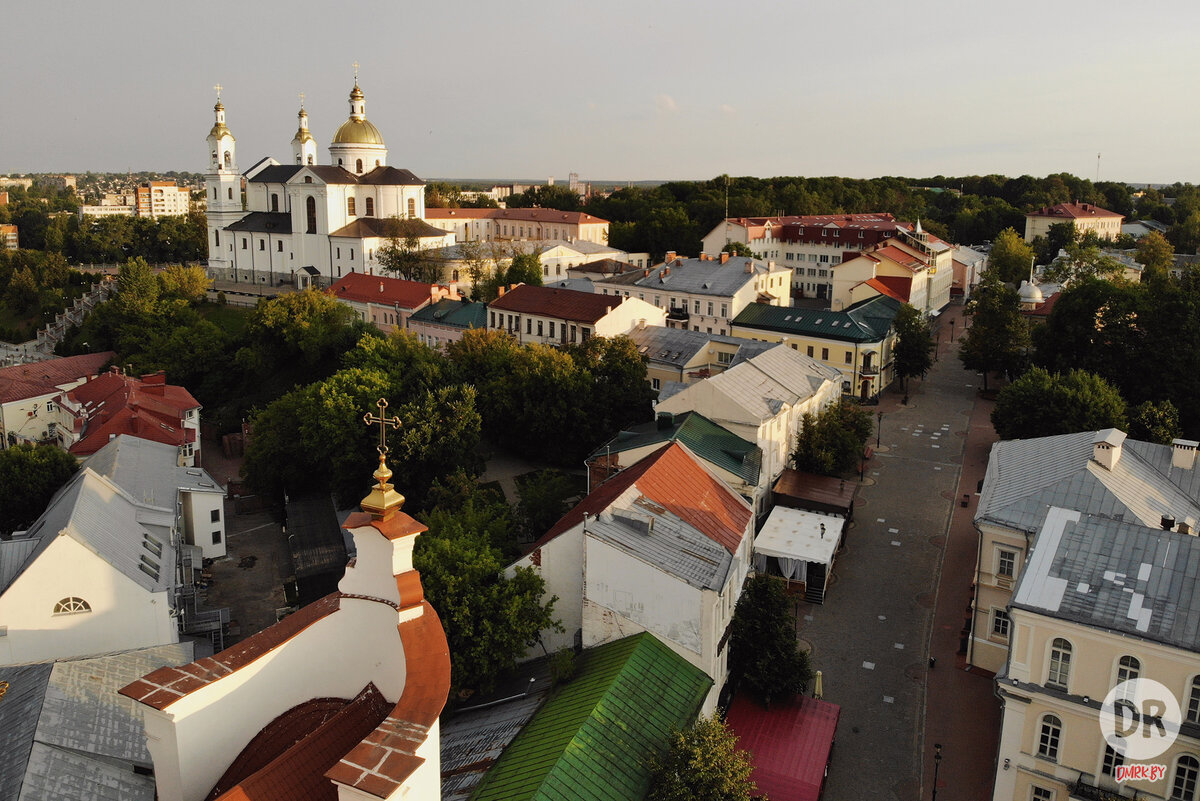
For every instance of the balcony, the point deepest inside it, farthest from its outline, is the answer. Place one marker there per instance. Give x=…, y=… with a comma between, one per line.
x=869, y=369
x=1084, y=790
x=678, y=314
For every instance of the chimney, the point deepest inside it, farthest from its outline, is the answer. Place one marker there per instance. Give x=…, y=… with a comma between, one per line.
x=749, y=267
x=666, y=271
x=646, y=273
x=1106, y=447
x=724, y=256
x=703, y=256
x=670, y=256
x=500, y=291
x=1168, y=522
x=1183, y=453
x=641, y=324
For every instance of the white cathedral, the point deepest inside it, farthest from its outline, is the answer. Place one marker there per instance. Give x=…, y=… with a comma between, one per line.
x=304, y=223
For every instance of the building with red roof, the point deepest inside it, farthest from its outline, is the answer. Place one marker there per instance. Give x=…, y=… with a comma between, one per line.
x=663, y=546
x=1085, y=217
x=338, y=700
x=387, y=303
x=494, y=225
x=790, y=744
x=28, y=392
x=554, y=316
x=913, y=266
x=113, y=403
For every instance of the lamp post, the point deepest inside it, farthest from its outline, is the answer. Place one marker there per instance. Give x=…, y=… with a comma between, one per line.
x=951, y=332
x=937, y=764
x=878, y=429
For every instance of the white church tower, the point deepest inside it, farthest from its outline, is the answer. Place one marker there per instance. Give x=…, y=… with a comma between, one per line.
x=304, y=147
x=358, y=146
x=223, y=190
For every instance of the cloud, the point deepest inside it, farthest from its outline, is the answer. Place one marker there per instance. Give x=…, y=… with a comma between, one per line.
x=666, y=103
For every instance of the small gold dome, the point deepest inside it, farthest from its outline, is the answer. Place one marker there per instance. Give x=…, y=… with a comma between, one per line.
x=356, y=93
x=357, y=132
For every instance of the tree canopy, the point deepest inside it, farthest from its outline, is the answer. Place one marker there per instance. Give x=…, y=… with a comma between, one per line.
x=914, y=345
x=701, y=763
x=763, y=655
x=1041, y=404
x=30, y=475
x=1011, y=258
x=831, y=443
x=998, y=337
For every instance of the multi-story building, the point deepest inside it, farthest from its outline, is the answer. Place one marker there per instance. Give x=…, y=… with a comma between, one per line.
x=161, y=199
x=10, y=237
x=441, y=323
x=387, y=303
x=490, y=225
x=552, y=316
x=913, y=266
x=29, y=392
x=1085, y=216
x=812, y=245
x=705, y=293
x=1101, y=601
x=858, y=342
x=682, y=356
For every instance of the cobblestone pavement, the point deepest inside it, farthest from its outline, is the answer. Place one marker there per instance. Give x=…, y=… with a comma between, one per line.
x=871, y=636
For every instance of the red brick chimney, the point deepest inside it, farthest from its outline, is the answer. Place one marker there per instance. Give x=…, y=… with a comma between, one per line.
x=724, y=256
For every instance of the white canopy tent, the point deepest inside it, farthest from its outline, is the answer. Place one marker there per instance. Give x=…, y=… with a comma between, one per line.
x=796, y=538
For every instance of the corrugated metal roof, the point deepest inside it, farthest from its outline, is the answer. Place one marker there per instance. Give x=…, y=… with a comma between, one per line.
x=718, y=446
x=591, y=739
x=868, y=321
x=789, y=744
x=766, y=380
x=20, y=709
x=674, y=346
x=695, y=276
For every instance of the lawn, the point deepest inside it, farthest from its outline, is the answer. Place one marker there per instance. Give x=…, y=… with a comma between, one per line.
x=230, y=319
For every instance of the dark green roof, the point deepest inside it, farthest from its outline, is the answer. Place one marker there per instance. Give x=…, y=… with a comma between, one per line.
x=702, y=436
x=590, y=740
x=454, y=313
x=866, y=321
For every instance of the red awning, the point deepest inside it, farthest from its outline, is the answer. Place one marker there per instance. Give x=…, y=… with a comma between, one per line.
x=789, y=744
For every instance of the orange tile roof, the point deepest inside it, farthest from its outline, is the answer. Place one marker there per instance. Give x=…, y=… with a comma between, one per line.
x=1074, y=211
x=114, y=403
x=565, y=304
x=892, y=286
x=520, y=215
x=365, y=288
x=674, y=479
x=23, y=381
x=901, y=256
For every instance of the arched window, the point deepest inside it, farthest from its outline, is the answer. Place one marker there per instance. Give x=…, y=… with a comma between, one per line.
x=214, y=193
x=1187, y=774
x=228, y=160
x=358, y=165
x=350, y=206
x=1128, y=668
x=339, y=162
x=310, y=206
x=1060, y=664
x=1049, y=738
x=1193, y=703
x=412, y=208
x=376, y=162
x=310, y=159
x=308, y=179
x=230, y=193
x=274, y=202
x=71, y=606
x=216, y=237
x=370, y=207
x=454, y=275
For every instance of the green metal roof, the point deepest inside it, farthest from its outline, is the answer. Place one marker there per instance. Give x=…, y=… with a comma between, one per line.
x=590, y=741
x=702, y=436
x=866, y=321
x=453, y=313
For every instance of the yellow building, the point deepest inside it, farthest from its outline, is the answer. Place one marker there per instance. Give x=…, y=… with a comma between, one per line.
x=1086, y=216
x=1101, y=601
x=677, y=355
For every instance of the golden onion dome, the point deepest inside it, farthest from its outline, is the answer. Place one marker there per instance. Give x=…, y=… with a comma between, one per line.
x=302, y=135
x=220, y=130
x=356, y=93
x=357, y=132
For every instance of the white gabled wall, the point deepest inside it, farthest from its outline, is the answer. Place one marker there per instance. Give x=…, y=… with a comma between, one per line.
x=562, y=567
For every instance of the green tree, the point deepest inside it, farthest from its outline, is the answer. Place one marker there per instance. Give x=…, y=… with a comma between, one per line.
x=1156, y=255
x=913, y=352
x=526, y=268
x=22, y=292
x=1185, y=237
x=701, y=763
x=309, y=327
x=544, y=497
x=1082, y=261
x=491, y=618
x=998, y=337
x=403, y=254
x=137, y=288
x=30, y=475
x=763, y=654
x=1011, y=258
x=1041, y=404
x=1155, y=422
x=831, y=443
x=189, y=284
x=739, y=249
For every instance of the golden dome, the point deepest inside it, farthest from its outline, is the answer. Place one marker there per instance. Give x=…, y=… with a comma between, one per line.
x=220, y=130
x=357, y=132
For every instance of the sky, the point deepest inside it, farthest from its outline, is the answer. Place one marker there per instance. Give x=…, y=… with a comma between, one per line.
x=616, y=90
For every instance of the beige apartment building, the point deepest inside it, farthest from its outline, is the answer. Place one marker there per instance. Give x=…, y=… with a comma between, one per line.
x=1086, y=216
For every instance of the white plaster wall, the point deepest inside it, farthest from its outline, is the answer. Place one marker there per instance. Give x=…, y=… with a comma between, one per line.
x=198, y=525
x=627, y=315
x=562, y=569
x=18, y=417
x=123, y=616
x=1012, y=726
x=335, y=657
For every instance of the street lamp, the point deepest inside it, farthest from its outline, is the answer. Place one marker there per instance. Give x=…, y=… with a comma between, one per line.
x=878, y=429
x=937, y=764
x=951, y=332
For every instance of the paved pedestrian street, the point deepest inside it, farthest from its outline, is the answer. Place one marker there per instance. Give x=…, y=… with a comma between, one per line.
x=871, y=637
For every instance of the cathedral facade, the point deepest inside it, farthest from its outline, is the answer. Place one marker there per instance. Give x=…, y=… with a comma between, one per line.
x=304, y=223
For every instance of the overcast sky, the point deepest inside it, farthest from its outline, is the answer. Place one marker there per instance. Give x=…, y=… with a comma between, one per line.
x=624, y=90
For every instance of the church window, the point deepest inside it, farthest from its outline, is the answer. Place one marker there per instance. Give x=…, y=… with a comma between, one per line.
x=308, y=179
x=350, y=206
x=231, y=193
x=310, y=206
x=216, y=238
x=262, y=244
x=228, y=160
x=214, y=193
x=351, y=254
x=370, y=207
x=279, y=246
x=454, y=275
x=274, y=202
x=412, y=208
x=376, y=162
x=310, y=159
x=339, y=253
x=243, y=243
x=339, y=162
x=358, y=165
x=71, y=606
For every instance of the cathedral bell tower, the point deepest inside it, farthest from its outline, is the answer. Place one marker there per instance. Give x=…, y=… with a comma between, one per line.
x=357, y=145
x=223, y=193
x=304, y=147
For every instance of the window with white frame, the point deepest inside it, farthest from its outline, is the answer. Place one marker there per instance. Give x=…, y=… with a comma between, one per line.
x=1049, y=738
x=1060, y=664
x=1006, y=563
x=1187, y=773
x=72, y=606
x=1193, y=703
x=1001, y=623
x=1040, y=794
x=1112, y=761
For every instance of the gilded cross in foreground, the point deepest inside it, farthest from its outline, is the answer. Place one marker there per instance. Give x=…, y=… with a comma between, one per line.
x=384, y=422
x=218, y=88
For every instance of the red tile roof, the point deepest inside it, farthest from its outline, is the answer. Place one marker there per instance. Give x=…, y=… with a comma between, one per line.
x=892, y=286
x=23, y=381
x=900, y=256
x=789, y=744
x=519, y=215
x=1074, y=211
x=115, y=403
x=365, y=288
x=564, y=304
x=674, y=479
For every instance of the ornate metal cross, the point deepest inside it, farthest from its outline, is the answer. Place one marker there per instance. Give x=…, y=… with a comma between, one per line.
x=356, y=73
x=302, y=100
x=384, y=421
x=218, y=88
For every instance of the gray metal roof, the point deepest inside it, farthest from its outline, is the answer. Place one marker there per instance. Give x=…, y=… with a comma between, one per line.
x=1115, y=575
x=667, y=543
x=697, y=277
x=66, y=734
x=1025, y=478
x=674, y=346
x=150, y=471
x=777, y=375
x=13, y=554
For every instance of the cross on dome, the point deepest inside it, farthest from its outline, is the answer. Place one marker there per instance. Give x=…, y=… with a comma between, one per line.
x=383, y=501
x=218, y=88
